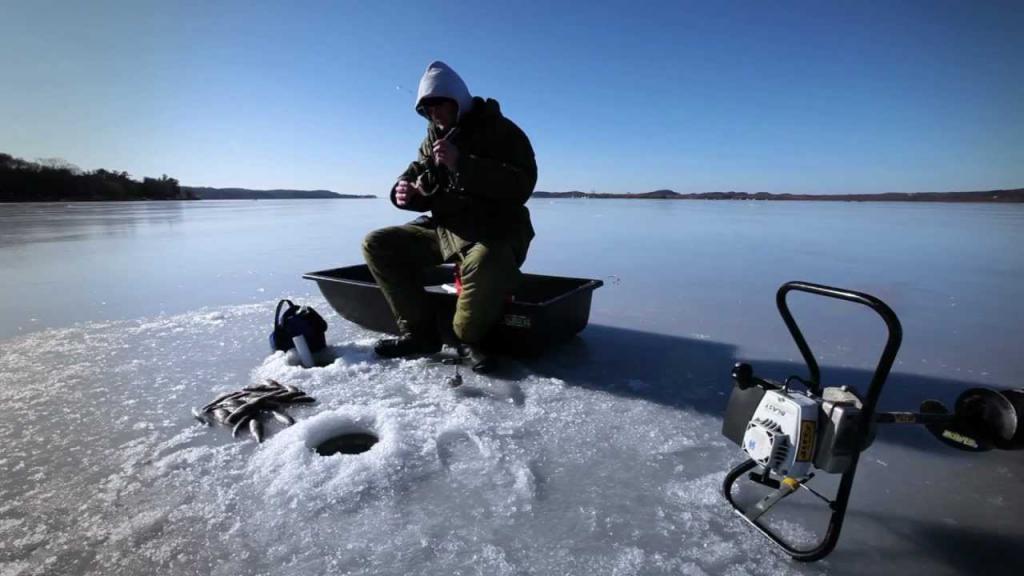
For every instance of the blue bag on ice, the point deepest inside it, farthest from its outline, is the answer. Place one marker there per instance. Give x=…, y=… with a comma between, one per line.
x=298, y=321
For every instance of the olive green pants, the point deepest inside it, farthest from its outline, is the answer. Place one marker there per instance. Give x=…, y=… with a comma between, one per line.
x=397, y=257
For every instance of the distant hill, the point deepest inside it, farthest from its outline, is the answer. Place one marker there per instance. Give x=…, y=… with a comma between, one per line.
x=204, y=193
x=1014, y=195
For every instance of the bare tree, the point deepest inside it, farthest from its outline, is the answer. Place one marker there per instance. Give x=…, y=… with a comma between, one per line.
x=58, y=164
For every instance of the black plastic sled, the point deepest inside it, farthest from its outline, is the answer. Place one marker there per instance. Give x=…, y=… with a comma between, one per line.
x=543, y=310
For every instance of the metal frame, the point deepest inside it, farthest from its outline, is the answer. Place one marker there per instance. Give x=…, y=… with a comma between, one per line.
x=867, y=417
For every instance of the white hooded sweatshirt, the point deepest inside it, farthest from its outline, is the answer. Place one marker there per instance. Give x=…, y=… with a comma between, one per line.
x=440, y=81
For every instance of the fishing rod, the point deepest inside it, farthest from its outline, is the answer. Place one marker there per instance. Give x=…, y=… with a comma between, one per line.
x=432, y=165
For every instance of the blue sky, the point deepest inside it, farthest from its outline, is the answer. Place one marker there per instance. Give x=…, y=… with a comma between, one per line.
x=805, y=97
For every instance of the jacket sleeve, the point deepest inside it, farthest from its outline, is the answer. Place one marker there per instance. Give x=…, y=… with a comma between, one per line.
x=510, y=177
x=416, y=170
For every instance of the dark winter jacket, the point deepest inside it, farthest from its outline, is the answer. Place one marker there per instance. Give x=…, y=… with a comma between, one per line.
x=484, y=200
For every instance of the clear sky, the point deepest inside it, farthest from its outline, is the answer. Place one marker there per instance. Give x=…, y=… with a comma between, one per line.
x=804, y=97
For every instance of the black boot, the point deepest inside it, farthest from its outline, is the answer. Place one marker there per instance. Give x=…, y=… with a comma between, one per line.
x=480, y=362
x=407, y=345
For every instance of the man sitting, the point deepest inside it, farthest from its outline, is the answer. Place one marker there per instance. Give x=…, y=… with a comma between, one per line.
x=474, y=173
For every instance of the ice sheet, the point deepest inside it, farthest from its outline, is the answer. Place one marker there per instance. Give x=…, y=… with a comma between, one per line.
x=604, y=457
x=105, y=471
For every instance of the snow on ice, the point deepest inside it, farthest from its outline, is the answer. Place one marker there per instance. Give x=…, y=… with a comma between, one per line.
x=106, y=472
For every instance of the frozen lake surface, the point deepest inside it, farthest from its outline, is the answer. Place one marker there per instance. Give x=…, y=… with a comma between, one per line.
x=603, y=457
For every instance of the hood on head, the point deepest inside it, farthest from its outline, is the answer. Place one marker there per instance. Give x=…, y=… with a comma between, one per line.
x=440, y=81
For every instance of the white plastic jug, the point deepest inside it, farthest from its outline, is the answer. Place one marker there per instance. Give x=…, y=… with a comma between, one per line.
x=305, y=355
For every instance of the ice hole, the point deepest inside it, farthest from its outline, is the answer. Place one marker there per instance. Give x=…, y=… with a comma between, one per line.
x=352, y=442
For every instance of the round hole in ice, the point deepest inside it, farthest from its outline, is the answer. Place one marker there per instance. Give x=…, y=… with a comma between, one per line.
x=354, y=442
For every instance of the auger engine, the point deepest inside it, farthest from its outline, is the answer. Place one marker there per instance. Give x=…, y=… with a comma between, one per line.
x=792, y=430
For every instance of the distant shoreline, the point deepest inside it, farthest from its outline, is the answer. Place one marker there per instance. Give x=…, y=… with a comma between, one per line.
x=298, y=196
x=1015, y=195
x=57, y=180
x=206, y=193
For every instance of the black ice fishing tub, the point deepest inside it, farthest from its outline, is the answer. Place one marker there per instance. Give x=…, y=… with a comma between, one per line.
x=544, y=310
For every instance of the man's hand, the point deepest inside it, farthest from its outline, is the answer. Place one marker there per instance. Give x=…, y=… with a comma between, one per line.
x=446, y=153
x=406, y=190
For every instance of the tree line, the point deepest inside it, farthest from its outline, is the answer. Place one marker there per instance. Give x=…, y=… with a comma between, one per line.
x=53, y=179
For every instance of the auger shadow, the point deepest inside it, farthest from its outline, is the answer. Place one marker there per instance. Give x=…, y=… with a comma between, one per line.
x=695, y=374
x=876, y=542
